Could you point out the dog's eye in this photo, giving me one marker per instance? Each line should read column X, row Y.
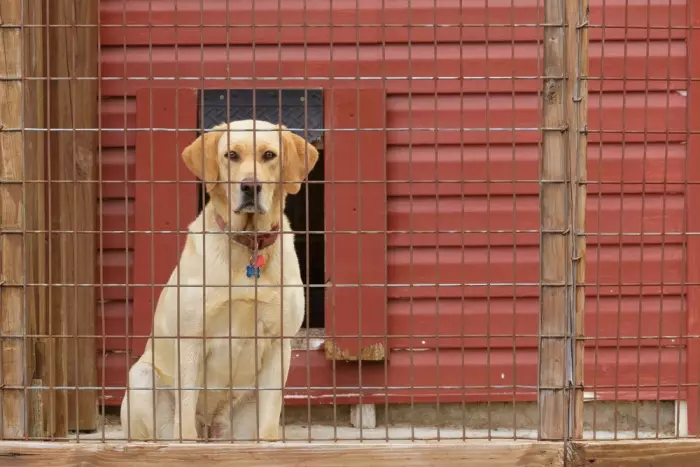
column 233, row 156
column 268, row 155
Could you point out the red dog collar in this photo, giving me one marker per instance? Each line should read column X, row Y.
column 248, row 240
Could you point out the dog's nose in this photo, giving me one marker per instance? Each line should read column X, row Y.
column 250, row 186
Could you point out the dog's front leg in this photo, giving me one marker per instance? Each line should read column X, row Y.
column 189, row 382
column 272, row 379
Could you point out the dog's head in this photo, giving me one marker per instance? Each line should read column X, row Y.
column 251, row 160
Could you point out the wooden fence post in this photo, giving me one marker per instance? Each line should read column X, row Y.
column 73, row 87
column 23, row 305
column 562, row 220
column 577, row 120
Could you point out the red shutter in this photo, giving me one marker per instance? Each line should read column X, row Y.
column 355, row 200
column 166, row 120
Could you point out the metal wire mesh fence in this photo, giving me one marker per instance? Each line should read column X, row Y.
column 350, row 221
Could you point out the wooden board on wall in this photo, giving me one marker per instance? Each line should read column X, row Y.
column 168, row 118
column 355, row 216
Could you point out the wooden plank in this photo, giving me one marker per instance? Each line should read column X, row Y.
column 356, row 264
column 73, row 110
column 41, row 363
column 554, row 237
column 160, row 207
column 661, row 453
column 577, row 119
column 12, row 401
column 692, row 196
column 16, row 351
column 562, row 214
column 493, row 454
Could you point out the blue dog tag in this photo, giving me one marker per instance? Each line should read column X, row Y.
column 251, row 271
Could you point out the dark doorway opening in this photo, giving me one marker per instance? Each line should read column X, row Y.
column 302, row 112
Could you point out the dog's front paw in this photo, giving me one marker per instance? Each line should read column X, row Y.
column 270, row 434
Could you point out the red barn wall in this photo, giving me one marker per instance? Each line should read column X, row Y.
column 448, row 180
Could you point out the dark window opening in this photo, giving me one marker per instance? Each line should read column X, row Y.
column 295, row 105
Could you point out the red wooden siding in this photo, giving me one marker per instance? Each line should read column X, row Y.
column 693, row 222
column 634, row 97
column 455, row 376
column 452, row 181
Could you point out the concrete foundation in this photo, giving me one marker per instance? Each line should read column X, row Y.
column 427, row 423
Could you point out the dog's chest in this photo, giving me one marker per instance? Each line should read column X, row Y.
column 239, row 340
column 238, row 285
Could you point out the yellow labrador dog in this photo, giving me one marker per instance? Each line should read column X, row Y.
column 248, row 242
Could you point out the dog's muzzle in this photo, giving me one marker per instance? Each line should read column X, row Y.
column 251, row 190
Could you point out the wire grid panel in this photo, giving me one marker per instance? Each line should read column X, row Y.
column 417, row 231
column 640, row 244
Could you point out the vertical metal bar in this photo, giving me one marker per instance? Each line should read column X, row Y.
column 76, row 338
column 307, row 314
column 229, row 187
column 462, row 202
column 643, row 246
column 26, row 380
column 151, row 220
column 127, row 327
column 53, row 404
column 515, row 228
column 331, row 143
column 64, row 289
column 691, row 187
column 178, row 223
column 621, row 227
column 411, row 219
column 100, row 229
column 436, row 138
column 542, row 73
column 255, row 228
column 283, row 336
column 202, row 391
column 489, row 247
column 599, row 218
column 358, row 155
column 384, row 72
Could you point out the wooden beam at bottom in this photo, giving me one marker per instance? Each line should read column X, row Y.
column 661, row 453
column 491, row 454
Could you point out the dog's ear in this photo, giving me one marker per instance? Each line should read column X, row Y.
column 298, row 160
column 201, row 156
